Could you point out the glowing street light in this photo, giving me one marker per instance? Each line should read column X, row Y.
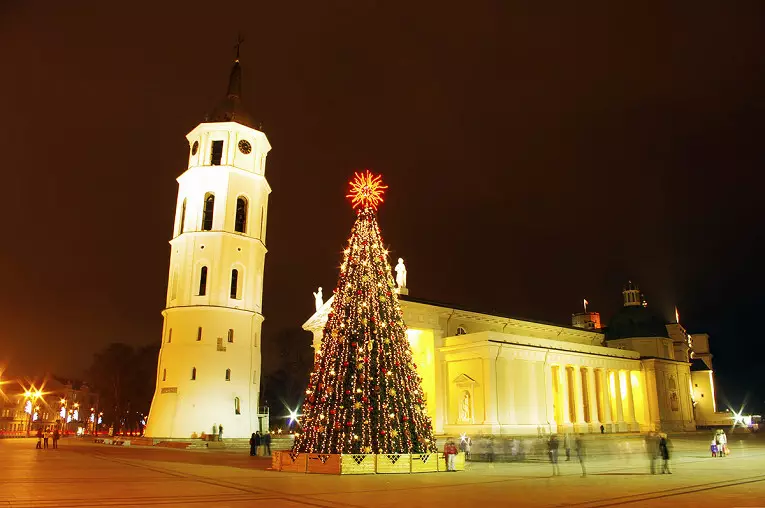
column 293, row 416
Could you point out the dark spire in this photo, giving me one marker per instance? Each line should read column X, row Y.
column 231, row 109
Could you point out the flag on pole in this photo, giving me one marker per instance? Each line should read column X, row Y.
column 585, row 305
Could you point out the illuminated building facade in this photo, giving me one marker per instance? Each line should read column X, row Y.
column 208, row 372
column 485, row 373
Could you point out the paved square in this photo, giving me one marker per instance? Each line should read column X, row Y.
column 81, row 473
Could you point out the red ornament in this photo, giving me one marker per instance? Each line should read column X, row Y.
column 347, row 392
column 348, row 424
column 406, row 418
column 345, row 364
column 332, row 411
column 382, row 432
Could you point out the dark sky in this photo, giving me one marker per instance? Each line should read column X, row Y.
column 536, row 155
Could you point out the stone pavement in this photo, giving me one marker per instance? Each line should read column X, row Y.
column 81, row 473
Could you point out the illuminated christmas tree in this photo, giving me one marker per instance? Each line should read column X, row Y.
column 364, row 395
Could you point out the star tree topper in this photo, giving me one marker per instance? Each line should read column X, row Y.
column 366, row 190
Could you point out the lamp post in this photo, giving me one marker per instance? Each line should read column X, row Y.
column 30, row 397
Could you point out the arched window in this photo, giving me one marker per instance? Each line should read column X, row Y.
column 193, row 373
column 237, row 409
column 228, row 374
column 183, row 216
column 170, row 336
column 240, row 220
column 164, row 374
column 231, row 335
column 207, row 214
column 203, row 281
column 234, row 283
column 199, row 333
column 461, row 330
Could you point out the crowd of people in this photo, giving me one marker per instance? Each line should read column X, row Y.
column 257, row 440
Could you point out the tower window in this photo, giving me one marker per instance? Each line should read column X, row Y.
column 461, row 331
column 174, row 285
column 240, row 220
column 231, row 335
column 217, row 153
column 234, row 283
column 170, row 336
column 203, row 281
column 262, row 212
column 183, row 216
column 199, row 333
column 193, row 373
column 207, row 213
column 164, row 374
column 228, row 374
column 237, row 408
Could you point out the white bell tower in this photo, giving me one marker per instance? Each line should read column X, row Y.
column 208, row 371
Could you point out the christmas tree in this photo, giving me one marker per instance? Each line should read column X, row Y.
column 364, row 394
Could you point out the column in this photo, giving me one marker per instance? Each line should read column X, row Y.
column 509, row 377
column 631, row 419
column 563, row 392
column 578, row 399
column 606, row 397
column 549, row 404
column 619, row 404
column 592, row 395
column 441, row 385
column 489, row 392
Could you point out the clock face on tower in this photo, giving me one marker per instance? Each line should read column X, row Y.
column 195, row 148
column 245, row 147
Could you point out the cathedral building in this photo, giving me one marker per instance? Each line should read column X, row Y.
column 494, row 374
column 208, row 373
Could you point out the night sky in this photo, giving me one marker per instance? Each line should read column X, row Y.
column 535, row 155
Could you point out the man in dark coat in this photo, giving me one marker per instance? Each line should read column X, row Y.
column 267, row 444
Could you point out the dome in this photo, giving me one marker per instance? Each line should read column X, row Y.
column 636, row 321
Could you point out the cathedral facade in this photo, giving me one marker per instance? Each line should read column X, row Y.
column 492, row 374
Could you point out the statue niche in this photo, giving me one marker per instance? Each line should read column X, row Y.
column 464, row 398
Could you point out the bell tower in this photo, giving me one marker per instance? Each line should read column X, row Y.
column 208, row 371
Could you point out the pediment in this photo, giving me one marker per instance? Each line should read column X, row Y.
column 464, row 379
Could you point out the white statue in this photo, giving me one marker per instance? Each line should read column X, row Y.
column 465, row 408
column 319, row 299
column 400, row 274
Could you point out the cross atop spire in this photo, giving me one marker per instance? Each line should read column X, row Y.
column 230, row 109
column 239, row 41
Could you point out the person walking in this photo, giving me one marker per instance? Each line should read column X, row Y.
column 56, row 436
column 220, row 432
column 580, row 452
column 664, row 447
column 552, row 449
column 450, row 452
column 602, row 429
column 258, row 442
column 46, row 437
column 567, row 445
column 267, row 444
column 253, row 446
column 39, row 438
column 652, row 449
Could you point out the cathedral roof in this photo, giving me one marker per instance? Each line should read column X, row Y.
column 231, row 109
column 636, row 321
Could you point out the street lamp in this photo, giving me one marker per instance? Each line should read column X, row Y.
column 30, row 403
